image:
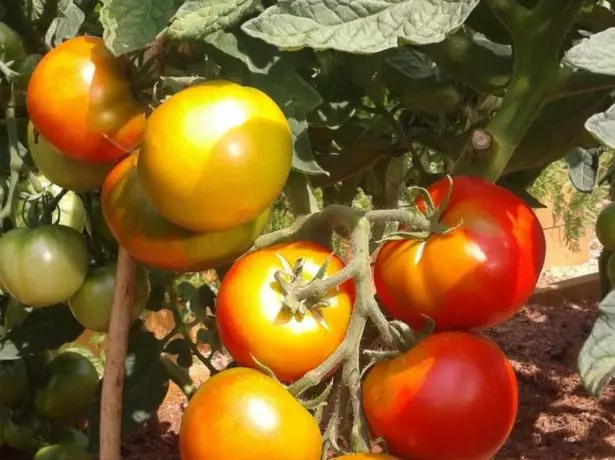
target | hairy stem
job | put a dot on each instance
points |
(538, 36)
(179, 376)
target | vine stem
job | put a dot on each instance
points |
(538, 35)
(117, 346)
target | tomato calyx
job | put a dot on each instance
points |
(293, 286)
(39, 209)
(432, 213)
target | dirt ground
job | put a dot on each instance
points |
(556, 419)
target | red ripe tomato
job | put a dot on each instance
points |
(79, 99)
(477, 276)
(452, 396)
(251, 319)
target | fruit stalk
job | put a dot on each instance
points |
(117, 345)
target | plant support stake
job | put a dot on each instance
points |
(117, 344)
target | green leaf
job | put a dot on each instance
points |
(8, 351)
(595, 54)
(46, 329)
(296, 98)
(196, 19)
(360, 26)
(145, 385)
(602, 127)
(597, 356)
(583, 167)
(131, 24)
(257, 55)
(66, 25)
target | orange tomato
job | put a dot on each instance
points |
(155, 241)
(251, 319)
(243, 414)
(452, 396)
(219, 148)
(79, 99)
(477, 276)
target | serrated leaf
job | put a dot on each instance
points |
(409, 63)
(597, 356)
(595, 54)
(583, 167)
(145, 385)
(66, 25)
(131, 24)
(602, 127)
(196, 19)
(360, 26)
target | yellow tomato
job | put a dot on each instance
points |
(215, 156)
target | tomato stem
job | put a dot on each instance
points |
(538, 35)
(117, 346)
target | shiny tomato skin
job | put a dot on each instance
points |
(43, 266)
(452, 396)
(251, 417)
(477, 276)
(91, 304)
(155, 241)
(79, 98)
(64, 171)
(215, 155)
(248, 312)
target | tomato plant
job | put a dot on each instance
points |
(366, 457)
(62, 170)
(494, 260)
(69, 387)
(453, 395)
(264, 416)
(79, 99)
(259, 178)
(43, 266)
(91, 304)
(153, 240)
(217, 180)
(255, 322)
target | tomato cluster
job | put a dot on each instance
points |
(61, 395)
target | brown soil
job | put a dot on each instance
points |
(557, 419)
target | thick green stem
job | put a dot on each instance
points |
(538, 37)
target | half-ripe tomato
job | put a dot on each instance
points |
(66, 172)
(79, 98)
(155, 241)
(215, 155)
(251, 416)
(254, 322)
(91, 304)
(479, 274)
(70, 210)
(43, 266)
(69, 388)
(453, 395)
